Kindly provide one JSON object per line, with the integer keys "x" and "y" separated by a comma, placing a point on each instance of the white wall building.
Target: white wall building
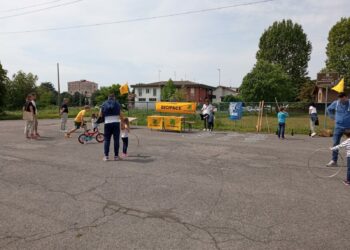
{"x": 220, "y": 92}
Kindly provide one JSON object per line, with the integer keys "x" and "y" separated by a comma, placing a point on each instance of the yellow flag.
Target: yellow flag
{"x": 340, "y": 86}
{"x": 124, "y": 89}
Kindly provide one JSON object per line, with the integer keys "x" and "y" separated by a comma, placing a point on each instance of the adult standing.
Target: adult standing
{"x": 112, "y": 116}
{"x": 207, "y": 110}
{"x": 313, "y": 118}
{"x": 35, "y": 120}
{"x": 340, "y": 112}
{"x": 64, "y": 114}
{"x": 30, "y": 113}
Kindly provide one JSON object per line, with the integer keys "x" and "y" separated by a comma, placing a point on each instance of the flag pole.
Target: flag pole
{"x": 325, "y": 109}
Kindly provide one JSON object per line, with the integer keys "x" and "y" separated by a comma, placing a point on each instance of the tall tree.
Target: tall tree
{"x": 47, "y": 95}
{"x": 101, "y": 95}
{"x": 3, "y": 81}
{"x": 19, "y": 87}
{"x": 338, "y": 48}
{"x": 285, "y": 43}
{"x": 168, "y": 91}
{"x": 266, "y": 82}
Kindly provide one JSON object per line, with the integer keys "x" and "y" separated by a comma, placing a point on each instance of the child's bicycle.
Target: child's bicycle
{"x": 88, "y": 135}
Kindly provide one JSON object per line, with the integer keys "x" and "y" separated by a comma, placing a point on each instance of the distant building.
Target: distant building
{"x": 83, "y": 87}
{"x": 151, "y": 92}
{"x": 221, "y": 91}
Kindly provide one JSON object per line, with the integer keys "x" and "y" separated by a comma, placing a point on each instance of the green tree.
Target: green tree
{"x": 19, "y": 87}
{"x": 232, "y": 98}
{"x": 285, "y": 43}
{"x": 168, "y": 91}
{"x": 265, "y": 82}
{"x": 338, "y": 48}
{"x": 306, "y": 93}
{"x": 47, "y": 95}
{"x": 3, "y": 81}
{"x": 77, "y": 99}
{"x": 180, "y": 94}
{"x": 101, "y": 95}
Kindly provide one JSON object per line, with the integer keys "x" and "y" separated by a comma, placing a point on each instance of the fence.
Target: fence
{"x": 298, "y": 121}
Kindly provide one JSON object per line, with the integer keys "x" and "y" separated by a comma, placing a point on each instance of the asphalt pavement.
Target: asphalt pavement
{"x": 198, "y": 190}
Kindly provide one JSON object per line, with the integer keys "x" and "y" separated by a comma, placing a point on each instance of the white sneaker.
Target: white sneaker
{"x": 204, "y": 129}
{"x": 313, "y": 134}
{"x": 331, "y": 164}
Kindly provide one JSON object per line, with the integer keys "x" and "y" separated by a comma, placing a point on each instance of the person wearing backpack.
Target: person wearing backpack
{"x": 110, "y": 110}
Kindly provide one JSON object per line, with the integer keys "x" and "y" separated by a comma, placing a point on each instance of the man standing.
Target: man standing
{"x": 64, "y": 114}
{"x": 35, "y": 120}
{"x": 340, "y": 112}
{"x": 111, "y": 112}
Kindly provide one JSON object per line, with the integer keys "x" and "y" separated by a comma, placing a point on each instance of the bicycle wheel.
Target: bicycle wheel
{"x": 100, "y": 137}
{"x": 82, "y": 138}
{"x": 318, "y": 160}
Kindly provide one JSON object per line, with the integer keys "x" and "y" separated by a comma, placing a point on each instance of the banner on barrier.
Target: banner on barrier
{"x": 176, "y": 107}
{"x": 236, "y": 110}
{"x": 155, "y": 122}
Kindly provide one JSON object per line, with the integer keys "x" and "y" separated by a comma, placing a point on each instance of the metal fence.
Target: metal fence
{"x": 298, "y": 121}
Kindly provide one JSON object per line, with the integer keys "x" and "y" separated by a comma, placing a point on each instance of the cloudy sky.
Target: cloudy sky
{"x": 191, "y": 47}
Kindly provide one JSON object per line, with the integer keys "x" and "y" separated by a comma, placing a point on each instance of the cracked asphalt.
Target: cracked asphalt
{"x": 194, "y": 190}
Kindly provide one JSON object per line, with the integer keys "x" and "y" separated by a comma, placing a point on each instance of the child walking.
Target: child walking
{"x": 282, "y": 115}
{"x": 125, "y": 130}
{"x": 94, "y": 124}
{"x": 345, "y": 144}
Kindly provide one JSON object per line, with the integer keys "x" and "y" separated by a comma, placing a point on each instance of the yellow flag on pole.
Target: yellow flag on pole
{"x": 124, "y": 89}
{"x": 340, "y": 86}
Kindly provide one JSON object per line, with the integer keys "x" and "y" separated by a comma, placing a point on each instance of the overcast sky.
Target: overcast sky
{"x": 194, "y": 46}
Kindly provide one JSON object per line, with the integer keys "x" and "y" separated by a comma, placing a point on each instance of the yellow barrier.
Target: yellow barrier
{"x": 173, "y": 123}
{"x": 176, "y": 107}
{"x": 155, "y": 122}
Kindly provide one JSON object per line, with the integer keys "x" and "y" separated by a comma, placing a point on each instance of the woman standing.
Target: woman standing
{"x": 313, "y": 118}
{"x": 28, "y": 116}
{"x": 207, "y": 110}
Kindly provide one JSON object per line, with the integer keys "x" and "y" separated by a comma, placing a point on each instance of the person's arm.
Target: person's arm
{"x": 331, "y": 110}
{"x": 341, "y": 145}
{"x": 286, "y": 114}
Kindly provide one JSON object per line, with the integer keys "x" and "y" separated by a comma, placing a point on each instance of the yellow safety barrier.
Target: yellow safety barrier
{"x": 155, "y": 122}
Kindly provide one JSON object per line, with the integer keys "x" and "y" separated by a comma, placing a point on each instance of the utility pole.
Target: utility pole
{"x": 219, "y": 76}
{"x": 58, "y": 88}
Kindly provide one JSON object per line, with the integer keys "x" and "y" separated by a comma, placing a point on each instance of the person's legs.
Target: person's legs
{"x": 205, "y": 119}
{"x": 283, "y": 127}
{"x": 108, "y": 134}
{"x": 348, "y": 170}
{"x": 338, "y": 133}
{"x": 35, "y": 125}
{"x": 64, "y": 121}
{"x": 125, "y": 145}
{"x": 29, "y": 129}
{"x": 279, "y": 130}
{"x": 116, "y": 138}
{"x": 312, "y": 126}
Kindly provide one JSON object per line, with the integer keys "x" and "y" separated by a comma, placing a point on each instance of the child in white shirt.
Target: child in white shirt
{"x": 345, "y": 144}
{"x": 125, "y": 130}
